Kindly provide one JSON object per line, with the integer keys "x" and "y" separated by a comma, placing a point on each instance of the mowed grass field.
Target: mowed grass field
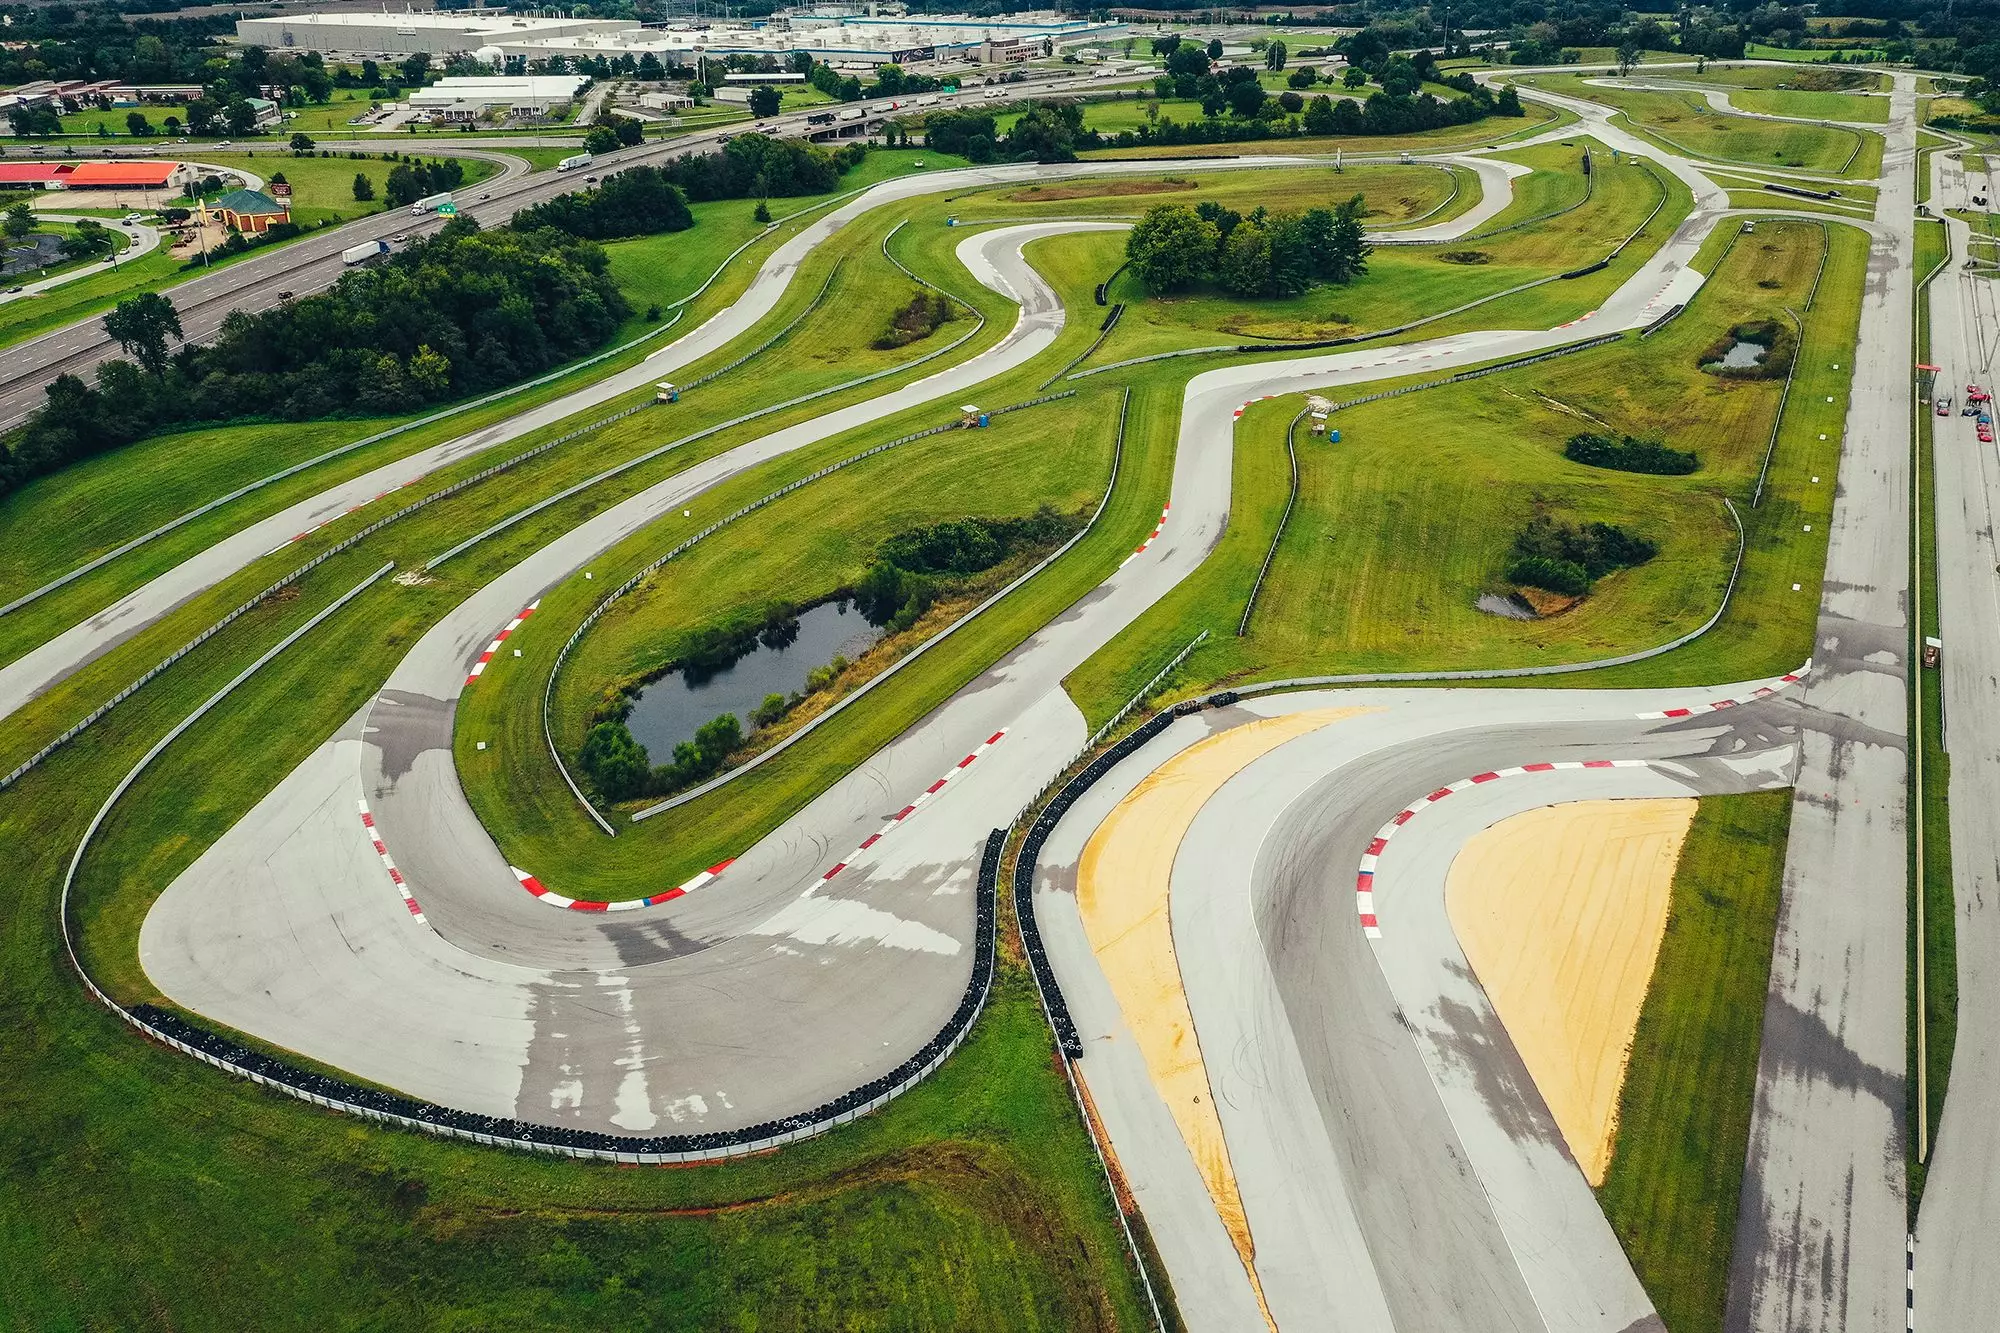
{"x": 1401, "y": 524}
{"x": 1685, "y": 122}
{"x": 1406, "y": 282}
{"x": 323, "y": 187}
{"x": 974, "y": 1202}
{"x": 1684, "y": 1113}
{"x": 1813, "y": 105}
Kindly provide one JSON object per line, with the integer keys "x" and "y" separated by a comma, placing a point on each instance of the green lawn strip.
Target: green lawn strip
{"x": 1492, "y": 130}
{"x": 1684, "y": 122}
{"x": 1763, "y": 76}
{"x": 1792, "y": 204}
{"x": 323, "y": 187}
{"x": 1936, "y": 897}
{"x": 135, "y": 488}
{"x": 1396, "y": 194}
{"x": 1394, "y": 592}
{"x": 1812, "y": 106}
{"x": 1684, "y": 1112}
{"x": 434, "y": 530}
{"x": 1406, "y": 282}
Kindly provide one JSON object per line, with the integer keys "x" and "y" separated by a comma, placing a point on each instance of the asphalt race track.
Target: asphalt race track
{"x": 1398, "y": 1169}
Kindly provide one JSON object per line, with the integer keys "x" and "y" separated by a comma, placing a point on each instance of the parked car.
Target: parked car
{"x": 1944, "y": 404}
{"x": 1985, "y": 433}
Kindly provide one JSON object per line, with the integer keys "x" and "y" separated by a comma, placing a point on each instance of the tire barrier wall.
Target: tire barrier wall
{"x": 1803, "y": 194}
{"x": 679, "y": 308}
{"x": 1117, "y": 458}
{"x": 688, "y": 544}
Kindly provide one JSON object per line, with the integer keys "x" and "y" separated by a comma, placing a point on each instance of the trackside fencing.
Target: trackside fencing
{"x": 625, "y": 588}
{"x": 1291, "y": 499}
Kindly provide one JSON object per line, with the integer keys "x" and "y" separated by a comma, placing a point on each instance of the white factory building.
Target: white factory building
{"x": 439, "y": 32}
{"x": 850, "y": 40}
{"x": 519, "y": 95}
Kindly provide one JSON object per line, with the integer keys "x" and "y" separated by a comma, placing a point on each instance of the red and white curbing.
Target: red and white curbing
{"x": 915, "y": 805}
{"x": 1717, "y": 705}
{"x": 1158, "y": 528}
{"x": 534, "y": 886}
{"x": 1578, "y": 320}
{"x": 1364, "y": 879}
{"x": 541, "y": 891}
{"x": 395, "y": 875}
{"x": 501, "y": 638}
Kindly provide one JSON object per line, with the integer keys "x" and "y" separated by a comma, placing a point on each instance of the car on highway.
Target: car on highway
{"x": 1944, "y": 405}
{"x": 1985, "y": 433}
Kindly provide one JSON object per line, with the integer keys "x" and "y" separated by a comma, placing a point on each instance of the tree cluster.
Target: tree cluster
{"x": 638, "y": 201}
{"x": 613, "y": 134}
{"x": 1567, "y": 558}
{"x": 1629, "y": 454}
{"x": 459, "y": 313}
{"x": 756, "y": 166}
{"x": 411, "y": 181}
{"x": 1175, "y": 247}
{"x": 912, "y": 569}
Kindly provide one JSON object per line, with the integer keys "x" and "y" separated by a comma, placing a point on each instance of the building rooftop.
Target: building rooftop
{"x": 148, "y": 174}
{"x": 248, "y": 201}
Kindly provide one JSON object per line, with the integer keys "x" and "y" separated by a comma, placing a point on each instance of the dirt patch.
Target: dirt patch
{"x": 1037, "y": 194}
{"x": 1333, "y": 324}
{"x": 1466, "y": 257}
{"x": 1547, "y": 604}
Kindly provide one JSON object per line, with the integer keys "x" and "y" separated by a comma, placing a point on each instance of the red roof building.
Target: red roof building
{"x": 33, "y": 175}
{"x": 122, "y": 175}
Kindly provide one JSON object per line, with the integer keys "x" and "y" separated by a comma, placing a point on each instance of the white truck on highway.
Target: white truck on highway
{"x": 576, "y": 163}
{"x": 361, "y": 254}
{"x": 429, "y": 205}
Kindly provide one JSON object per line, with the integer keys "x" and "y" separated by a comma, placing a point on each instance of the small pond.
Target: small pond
{"x": 1513, "y": 608}
{"x": 672, "y": 708}
{"x": 1742, "y": 355}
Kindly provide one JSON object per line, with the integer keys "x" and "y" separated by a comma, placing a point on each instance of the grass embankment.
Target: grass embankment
{"x": 1392, "y": 539}
{"x": 1403, "y": 282}
{"x": 1935, "y": 899}
{"x": 323, "y": 187}
{"x": 1492, "y": 130}
{"x": 1813, "y": 105}
{"x": 1394, "y": 194}
{"x": 61, "y": 521}
{"x": 1684, "y": 122}
{"x": 974, "y": 1201}
{"x": 1684, "y": 1113}
{"x": 1763, "y": 76}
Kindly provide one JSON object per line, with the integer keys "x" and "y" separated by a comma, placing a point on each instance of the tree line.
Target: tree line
{"x": 463, "y": 312}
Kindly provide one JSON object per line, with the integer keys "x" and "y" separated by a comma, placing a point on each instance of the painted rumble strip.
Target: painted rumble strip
{"x": 1364, "y": 879}
{"x": 1158, "y": 528}
{"x": 534, "y": 886}
{"x": 915, "y": 805}
{"x": 395, "y": 875}
{"x": 1761, "y": 692}
{"x": 553, "y": 899}
{"x": 501, "y": 638}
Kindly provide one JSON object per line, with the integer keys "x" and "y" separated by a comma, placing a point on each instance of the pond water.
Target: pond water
{"x": 672, "y": 708}
{"x": 1742, "y": 354}
{"x": 1493, "y": 604}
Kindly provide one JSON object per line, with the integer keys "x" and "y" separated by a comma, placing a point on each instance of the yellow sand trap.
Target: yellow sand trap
{"x": 1122, "y": 884}
{"x": 1560, "y": 911}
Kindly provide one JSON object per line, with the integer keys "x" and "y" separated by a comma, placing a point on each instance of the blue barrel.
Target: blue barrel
{"x": 1333, "y": 437}
{"x": 982, "y": 418}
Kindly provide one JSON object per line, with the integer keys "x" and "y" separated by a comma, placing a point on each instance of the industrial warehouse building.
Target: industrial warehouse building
{"x": 520, "y": 95}
{"x": 854, "y": 40}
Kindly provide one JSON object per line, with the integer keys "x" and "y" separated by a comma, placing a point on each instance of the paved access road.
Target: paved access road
{"x": 1958, "y": 1284}
{"x": 55, "y": 660}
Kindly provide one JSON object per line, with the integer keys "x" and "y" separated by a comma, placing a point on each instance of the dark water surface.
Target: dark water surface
{"x": 672, "y": 708}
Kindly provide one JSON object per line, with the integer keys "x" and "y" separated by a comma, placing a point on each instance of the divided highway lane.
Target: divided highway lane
{"x": 764, "y": 993}
{"x": 1397, "y": 1166}
{"x": 53, "y": 661}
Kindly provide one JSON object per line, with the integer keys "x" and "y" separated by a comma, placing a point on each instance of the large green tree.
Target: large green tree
{"x": 1172, "y": 248}
{"x": 141, "y": 325}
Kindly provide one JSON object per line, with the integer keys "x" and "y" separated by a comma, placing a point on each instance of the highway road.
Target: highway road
{"x": 1958, "y": 1285}
{"x": 313, "y": 261}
